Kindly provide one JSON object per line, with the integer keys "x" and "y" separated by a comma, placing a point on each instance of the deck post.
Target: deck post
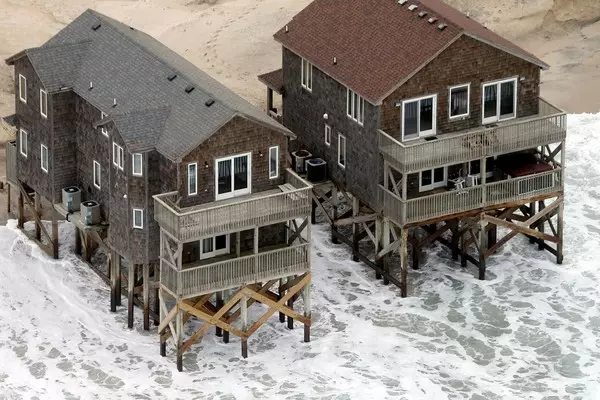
{"x": 482, "y": 247}
{"x": 307, "y": 312}
{"x": 156, "y": 302}
{"x": 281, "y": 292}
{"x": 385, "y": 243}
{"x": 38, "y": 210}
{"x": 334, "y": 205}
{"x": 313, "y": 209}
{"x": 455, "y": 239}
{"x": 492, "y": 235}
{"x": 238, "y": 244}
{"x": 54, "y": 235}
{"x": 355, "y": 228}
{"x": 379, "y": 241}
{"x": 559, "y": 233}
{"x": 541, "y": 206}
{"x": 218, "y": 305}
{"x": 463, "y": 250}
{"x": 146, "y": 295}
{"x": 78, "y": 246}
{"x": 531, "y": 214}
{"x": 114, "y": 260}
{"x": 20, "y": 211}
{"x": 117, "y": 272}
{"x": 130, "y": 289}
{"x": 179, "y": 329}
{"x": 226, "y": 295}
{"x": 290, "y": 303}
{"x": 163, "y": 343}
{"x": 404, "y": 262}
{"x": 8, "y": 198}
{"x": 244, "y": 315}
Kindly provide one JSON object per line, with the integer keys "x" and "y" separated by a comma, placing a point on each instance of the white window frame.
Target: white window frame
{"x": 118, "y": 158}
{"x": 103, "y": 128}
{"x": 356, "y": 115}
{"x": 141, "y": 158}
{"x": 43, "y": 149}
{"x": 233, "y": 193}
{"x": 328, "y": 134}
{"x": 433, "y": 130}
{"x": 215, "y": 252}
{"x": 22, "y": 88}
{"x": 98, "y": 175}
{"x": 189, "y": 186}
{"x": 454, "y": 117}
{"x": 43, "y": 95}
{"x": 306, "y": 78}
{"x": 140, "y": 211}
{"x": 340, "y": 137}
{"x": 433, "y": 185}
{"x": 23, "y": 134}
{"x": 497, "y": 117}
{"x": 274, "y": 174}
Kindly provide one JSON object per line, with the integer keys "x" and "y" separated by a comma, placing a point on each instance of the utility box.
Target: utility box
{"x": 300, "y": 157}
{"x": 316, "y": 170}
{"x": 71, "y": 198}
{"x": 90, "y": 212}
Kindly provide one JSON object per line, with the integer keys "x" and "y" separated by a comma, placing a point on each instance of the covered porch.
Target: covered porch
{"x": 274, "y": 82}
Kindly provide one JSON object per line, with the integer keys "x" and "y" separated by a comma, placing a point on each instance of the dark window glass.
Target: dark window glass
{"x": 426, "y": 115}
{"x": 490, "y": 101}
{"x": 411, "y": 125}
{"x": 425, "y": 178}
{"x": 459, "y": 100}
{"x": 507, "y": 99}
{"x": 438, "y": 175}
{"x": 221, "y": 242}
{"x": 224, "y": 178}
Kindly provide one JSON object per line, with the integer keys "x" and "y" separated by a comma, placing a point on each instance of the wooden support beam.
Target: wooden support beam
{"x": 404, "y": 262}
{"x": 20, "y": 209}
{"x": 244, "y": 313}
{"x": 482, "y": 247}
{"x": 146, "y": 296}
{"x": 219, "y": 303}
{"x": 355, "y": 228}
{"x": 334, "y": 217}
{"x": 38, "y": 211}
{"x": 307, "y": 311}
{"x": 355, "y": 219}
{"x": 130, "y": 287}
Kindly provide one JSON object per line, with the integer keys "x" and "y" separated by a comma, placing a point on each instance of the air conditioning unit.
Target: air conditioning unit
{"x": 316, "y": 170}
{"x": 71, "y": 198}
{"x": 300, "y": 158}
{"x": 90, "y": 212}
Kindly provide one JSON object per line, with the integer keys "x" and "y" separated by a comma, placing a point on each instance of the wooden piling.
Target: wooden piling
{"x": 146, "y": 295}
{"x": 130, "y": 294}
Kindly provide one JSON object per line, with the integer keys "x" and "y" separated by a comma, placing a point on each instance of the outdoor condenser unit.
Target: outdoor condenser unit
{"x": 300, "y": 158}
{"x": 71, "y": 198}
{"x": 90, "y": 212}
{"x": 316, "y": 170}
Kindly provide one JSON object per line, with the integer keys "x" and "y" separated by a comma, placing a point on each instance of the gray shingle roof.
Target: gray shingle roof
{"x": 132, "y": 67}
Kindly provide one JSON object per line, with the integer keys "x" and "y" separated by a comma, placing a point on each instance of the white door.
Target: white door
{"x": 499, "y": 101}
{"x": 419, "y": 117}
{"x": 433, "y": 178}
{"x": 214, "y": 246}
{"x": 233, "y": 176}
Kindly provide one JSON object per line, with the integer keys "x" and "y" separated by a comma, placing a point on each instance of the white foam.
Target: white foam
{"x": 532, "y": 330}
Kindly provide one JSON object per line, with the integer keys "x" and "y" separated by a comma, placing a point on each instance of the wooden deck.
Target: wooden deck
{"x": 549, "y": 126}
{"x": 211, "y": 276}
{"x": 77, "y": 220}
{"x": 473, "y": 198}
{"x": 236, "y": 214}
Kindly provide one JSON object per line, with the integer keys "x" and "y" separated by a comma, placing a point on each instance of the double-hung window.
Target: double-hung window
{"x": 22, "y": 88}
{"x": 328, "y": 135}
{"x": 138, "y": 218}
{"x": 192, "y": 175}
{"x": 97, "y": 173}
{"x": 342, "y": 150}
{"x": 137, "y": 164}
{"x": 459, "y": 99}
{"x": 118, "y": 156}
{"x": 44, "y": 158}
{"x": 273, "y": 162}
{"x": 419, "y": 117}
{"x": 44, "y": 103}
{"x": 233, "y": 176}
{"x": 307, "y": 75}
{"x": 433, "y": 178}
{"x": 355, "y": 106}
{"x": 23, "y": 142}
{"x": 103, "y": 127}
{"x": 499, "y": 100}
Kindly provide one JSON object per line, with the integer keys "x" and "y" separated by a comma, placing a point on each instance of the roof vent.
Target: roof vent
{"x": 422, "y": 14}
{"x": 96, "y": 26}
{"x": 91, "y": 85}
{"x": 131, "y": 27}
{"x": 209, "y": 102}
{"x": 432, "y": 20}
{"x": 171, "y": 77}
{"x": 442, "y": 26}
{"x": 402, "y": 2}
{"x": 115, "y": 102}
{"x": 334, "y": 60}
{"x": 413, "y": 7}
{"x": 287, "y": 29}
{"x": 189, "y": 89}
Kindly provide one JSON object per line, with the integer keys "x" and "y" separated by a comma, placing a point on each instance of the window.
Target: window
{"x": 44, "y": 158}
{"x": 499, "y": 100}
{"x": 192, "y": 179}
{"x": 138, "y": 218}
{"x": 273, "y": 162}
{"x": 137, "y": 162}
{"x": 433, "y": 178}
{"x": 97, "y": 174}
{"x": 459, "y": 101}
{"x": 342, "y": 150}
{"x": 22, "y": 88}
{"x": 214, "y": 246}
{"x": 232, "y": 176}
{"x": 355, "y": 106}
{"x": 418, "y": 117}
{"x": 23, "y": 142}
{"x": 118, "y": 156}
{"x": 103, "y": 128}
{"x": 327, "y": 135}
{"x": 44, "y": 103}
{"x": 306, "y": 75}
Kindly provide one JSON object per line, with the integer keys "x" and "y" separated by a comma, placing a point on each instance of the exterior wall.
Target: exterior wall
{"x": 63, "y": 157}
{"x": 303, "y": 114}
{"x": 466, "y": 61}
{"x": 39, "y": 131}
{"x": 238, "y": 136}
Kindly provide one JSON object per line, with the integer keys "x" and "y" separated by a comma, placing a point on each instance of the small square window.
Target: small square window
{"x": 137, "y": 163}
{"x": 97, "y": 173}
{"x": 138, "y": 218}
{"x": 44, "y": 103}
{"x": 23, "y": 142}
{"x": 328, "y": 135}
{"x": 342, "y": 150}
{"x": 274, "y": 162}
{"x": 22, "y": 88}
{"x": 44, "y": 158}
{"x": 103, "y": 127}
{"x": 459, "y": 101}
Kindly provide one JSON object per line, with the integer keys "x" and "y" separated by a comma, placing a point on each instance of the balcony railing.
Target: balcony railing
{"x": 549, "y": 126}
{"x": 476, "y": 197}
{"x": 11, "y": 161}
{"x": 277, "y": 117}
{"x": 231, "y": 215}
{"x": 261, "y": 267}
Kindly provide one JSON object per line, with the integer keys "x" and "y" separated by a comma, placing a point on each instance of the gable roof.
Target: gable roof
{"x": 132, "y": 67}
{"x": 393, "y": 41}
